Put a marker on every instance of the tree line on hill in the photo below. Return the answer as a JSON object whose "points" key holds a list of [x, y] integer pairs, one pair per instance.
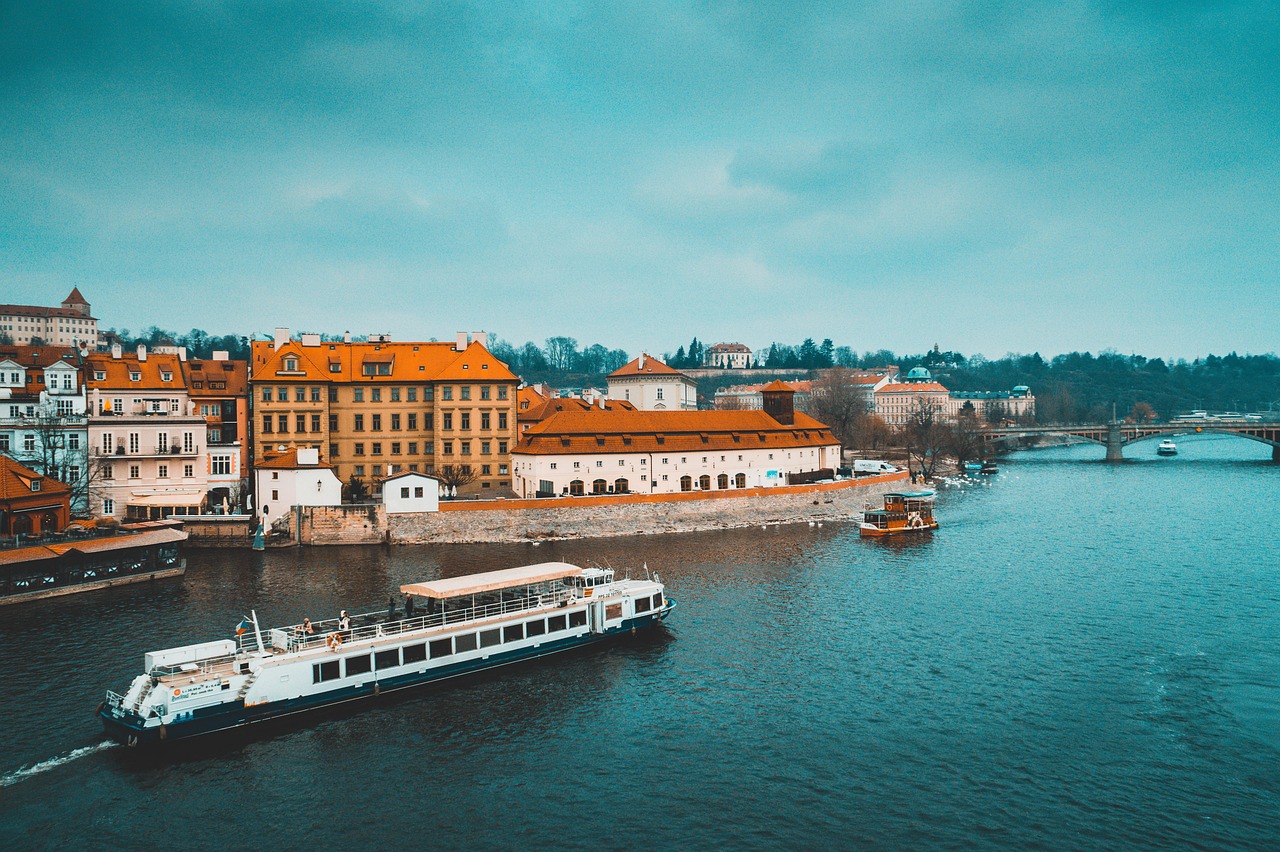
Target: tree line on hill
{"points": [[1075, 387]]}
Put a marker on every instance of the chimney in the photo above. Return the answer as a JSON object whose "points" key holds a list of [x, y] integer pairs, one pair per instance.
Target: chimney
{"points": [[481, 337], [142, 352], [182, 353], [640, 366], [282, 337], [116, 352], [346, 337], [221, 355], [461, 342]]}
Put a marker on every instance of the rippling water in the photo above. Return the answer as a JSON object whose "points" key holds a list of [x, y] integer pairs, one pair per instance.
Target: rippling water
{"points": [[1085, 655]]}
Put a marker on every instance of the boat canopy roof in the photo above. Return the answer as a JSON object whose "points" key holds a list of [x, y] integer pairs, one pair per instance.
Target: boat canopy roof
{"points": [[489, 581], [912, 495]]}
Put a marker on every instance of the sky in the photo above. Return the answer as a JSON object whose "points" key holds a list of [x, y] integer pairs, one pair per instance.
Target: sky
{"points": [[990, 177]]}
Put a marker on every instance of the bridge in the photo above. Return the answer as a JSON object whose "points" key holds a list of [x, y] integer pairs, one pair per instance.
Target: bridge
{"points": [[1114, 436]]}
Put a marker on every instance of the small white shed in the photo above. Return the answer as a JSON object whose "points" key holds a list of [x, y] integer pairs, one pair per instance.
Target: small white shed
{"points": [[411, 492]]}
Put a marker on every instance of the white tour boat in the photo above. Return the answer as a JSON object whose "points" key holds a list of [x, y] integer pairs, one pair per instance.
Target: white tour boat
{"points": [[1167, 448], [465, 624]]}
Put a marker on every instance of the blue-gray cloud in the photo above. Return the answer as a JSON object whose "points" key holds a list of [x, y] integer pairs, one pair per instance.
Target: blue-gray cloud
{"points": [[992, 176]]}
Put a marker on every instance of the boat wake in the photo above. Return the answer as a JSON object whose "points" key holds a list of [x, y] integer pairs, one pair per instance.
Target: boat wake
{"points": [[53, 763]]}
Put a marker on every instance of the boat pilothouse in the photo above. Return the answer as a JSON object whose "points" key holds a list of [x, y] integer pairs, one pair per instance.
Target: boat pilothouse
{"points": [[455, 626]]}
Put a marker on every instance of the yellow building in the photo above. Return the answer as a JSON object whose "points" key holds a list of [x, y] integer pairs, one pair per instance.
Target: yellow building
{"points": [[377, 408]]}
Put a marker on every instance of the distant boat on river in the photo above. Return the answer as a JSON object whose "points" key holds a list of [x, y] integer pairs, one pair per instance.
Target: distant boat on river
{"points": [[1167, 448], [903, 512]]}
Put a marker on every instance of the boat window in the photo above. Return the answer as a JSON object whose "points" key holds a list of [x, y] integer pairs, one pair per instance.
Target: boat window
{"points": [[642, 604], [489, 638], [387, 659], [415, 653], [359, 665], [556, 622], [657, 601], [465, 642], [578, 618], [513, 633], [613, 610], [441, 647], [321, 672], [535, 628]]}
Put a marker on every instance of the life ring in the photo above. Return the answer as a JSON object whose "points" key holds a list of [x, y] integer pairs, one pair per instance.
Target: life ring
{"points": [[917, 523], [334, 641]]}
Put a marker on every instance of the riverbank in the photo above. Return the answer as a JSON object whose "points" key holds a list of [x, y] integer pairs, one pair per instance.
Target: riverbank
{"points": [[595, 516]]}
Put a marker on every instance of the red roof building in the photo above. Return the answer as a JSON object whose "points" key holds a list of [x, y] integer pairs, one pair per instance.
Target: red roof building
{"points": [[31, 504]]}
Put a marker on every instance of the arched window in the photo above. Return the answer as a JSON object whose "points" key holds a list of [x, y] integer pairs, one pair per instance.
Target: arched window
{"points": [[740, 481], [621, 486], [575, 487], [599, 486], [686, 483], [704, 482], [722, 481]]}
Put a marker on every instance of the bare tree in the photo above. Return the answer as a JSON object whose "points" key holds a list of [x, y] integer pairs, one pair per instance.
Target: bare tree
{"points": [[56, 448], [1142, 413], [561, 352], [837, 402], [925, 435], [455, 475], [964, 443]]}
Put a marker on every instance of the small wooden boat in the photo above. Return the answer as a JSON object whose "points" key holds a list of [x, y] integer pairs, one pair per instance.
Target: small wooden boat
{"points": [[903, 512]]}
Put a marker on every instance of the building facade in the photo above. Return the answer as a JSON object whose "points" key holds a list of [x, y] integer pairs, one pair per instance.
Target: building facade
{"points": [[31, 503], [613, 451], [42, 415], [651, 385], [71, 324], [897, 401], [379, 407], [727, 356], [147, 445], [219, 389], [293, 477]]}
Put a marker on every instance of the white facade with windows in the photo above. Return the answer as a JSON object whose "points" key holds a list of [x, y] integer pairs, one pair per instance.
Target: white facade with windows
{"points": [[42, 422], [294, 477], [651, 385], [411, 492]]}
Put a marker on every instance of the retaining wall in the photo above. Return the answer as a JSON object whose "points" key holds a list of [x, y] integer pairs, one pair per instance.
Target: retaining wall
{"points": [[636, 514]]}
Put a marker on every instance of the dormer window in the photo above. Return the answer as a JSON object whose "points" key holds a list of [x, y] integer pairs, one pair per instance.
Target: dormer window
{"points": [[166, 377], [291, 364], [99, 375], [135, 376], [35, 485]]}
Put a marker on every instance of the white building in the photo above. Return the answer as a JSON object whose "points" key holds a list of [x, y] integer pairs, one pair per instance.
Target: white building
{"points": [[651, 385], [146, 443], [602, 451], [294, 477], [68, 325], [410, 492], [728, 356], [42, 415]]}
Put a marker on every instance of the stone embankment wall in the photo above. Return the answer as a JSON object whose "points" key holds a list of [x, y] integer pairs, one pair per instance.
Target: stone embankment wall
{"points": [[589, 517], [362, 524], [218, 530]]}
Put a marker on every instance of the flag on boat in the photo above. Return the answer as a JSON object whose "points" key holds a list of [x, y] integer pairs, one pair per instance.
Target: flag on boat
{"points": [[243, 627]]}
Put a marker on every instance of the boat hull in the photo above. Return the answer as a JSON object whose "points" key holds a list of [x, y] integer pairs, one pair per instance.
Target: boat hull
{"points": [[132, 730], [870, 531]]}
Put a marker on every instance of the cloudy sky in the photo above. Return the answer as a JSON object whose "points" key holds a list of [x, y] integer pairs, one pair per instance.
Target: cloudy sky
{"points": [[991, 177]]}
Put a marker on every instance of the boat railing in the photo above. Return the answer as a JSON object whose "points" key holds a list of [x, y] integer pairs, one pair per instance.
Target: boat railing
{"points": [[114, 699], [376, 625], [205, 666]]}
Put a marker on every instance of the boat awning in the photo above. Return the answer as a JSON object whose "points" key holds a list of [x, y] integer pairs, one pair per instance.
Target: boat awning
{"points": [[474, 584], [175, 499]]}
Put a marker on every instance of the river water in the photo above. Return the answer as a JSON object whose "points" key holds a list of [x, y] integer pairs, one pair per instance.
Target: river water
{"points": [[1084, 656]]}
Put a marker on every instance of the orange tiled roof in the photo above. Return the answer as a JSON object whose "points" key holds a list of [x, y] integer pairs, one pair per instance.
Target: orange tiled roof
{"points": [[117, 372], [913, 387], [406, 362], [728, 347], [652, 367], [235, 374], [75, 298], [40, 311], [570, 432], [287, 460], [777, 385], [16, 479], [35, 359]]}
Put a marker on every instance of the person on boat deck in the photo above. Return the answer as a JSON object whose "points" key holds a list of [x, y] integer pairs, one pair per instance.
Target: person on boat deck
{"points": [[305, 629], [344, 621], [391, 609], [408, 606]]}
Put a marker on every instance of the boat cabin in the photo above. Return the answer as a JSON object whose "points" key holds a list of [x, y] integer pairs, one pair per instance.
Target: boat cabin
{"points": [[903, 511]]}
